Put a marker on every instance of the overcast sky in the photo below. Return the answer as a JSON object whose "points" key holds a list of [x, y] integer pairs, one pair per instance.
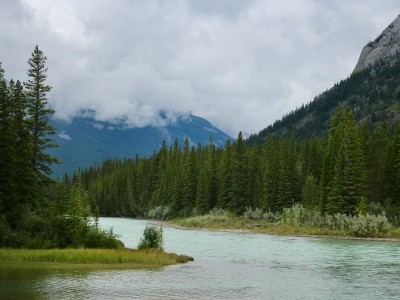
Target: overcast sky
{"points": [[241, 64]]}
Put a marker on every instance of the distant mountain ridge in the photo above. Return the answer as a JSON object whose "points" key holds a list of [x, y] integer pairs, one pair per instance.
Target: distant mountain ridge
{"points": [[372, 91], [84, 141]]}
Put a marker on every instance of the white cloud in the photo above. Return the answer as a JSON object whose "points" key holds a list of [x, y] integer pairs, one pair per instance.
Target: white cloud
{"points": [[64, 136], [240, 64]]}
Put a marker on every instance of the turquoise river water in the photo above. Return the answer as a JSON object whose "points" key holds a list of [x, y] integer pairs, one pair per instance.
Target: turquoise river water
{"points": [[227, 265]]}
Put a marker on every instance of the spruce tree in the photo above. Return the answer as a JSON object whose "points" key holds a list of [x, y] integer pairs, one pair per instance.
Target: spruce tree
{"points": [[189, 178], [225, 194], [239, 176], [393, 173], [23, 174], [38, 117], [347, 186], [271, 173], [376, 163], [6, 148], [329, 159]]}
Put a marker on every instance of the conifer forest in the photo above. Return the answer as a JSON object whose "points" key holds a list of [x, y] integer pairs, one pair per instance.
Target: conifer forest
{"points": [[354, 170]]}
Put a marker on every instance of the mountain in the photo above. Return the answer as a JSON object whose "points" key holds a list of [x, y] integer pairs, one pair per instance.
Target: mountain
{"points": [[372, 91], [383, 48], [84, 141]]}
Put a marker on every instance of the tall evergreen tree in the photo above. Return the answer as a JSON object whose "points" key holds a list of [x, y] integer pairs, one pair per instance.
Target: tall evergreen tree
{"points": [[225, 177], [347, 185], [376, 164], [189, 178], [38, 116], [271, 173], [329, 159], [6, 147], [23, 174], [239, 176], [393, 173]]}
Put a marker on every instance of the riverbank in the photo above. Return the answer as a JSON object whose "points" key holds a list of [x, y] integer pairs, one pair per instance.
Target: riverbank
{"points": [[242, 225], [90, 258]]}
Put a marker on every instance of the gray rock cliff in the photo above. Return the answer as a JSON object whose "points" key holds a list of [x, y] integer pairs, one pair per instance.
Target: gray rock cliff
{"points": [[384, 47]]}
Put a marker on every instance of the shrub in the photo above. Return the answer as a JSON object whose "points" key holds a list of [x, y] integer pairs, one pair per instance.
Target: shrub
{"points": [[219, 212], [159, 213], [105, 239], [251, 214], [362, 225], [272, 217], [152, 238]]}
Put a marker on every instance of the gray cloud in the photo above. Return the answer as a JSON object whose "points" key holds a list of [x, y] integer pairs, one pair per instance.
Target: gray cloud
{"points": [[240, 64]]}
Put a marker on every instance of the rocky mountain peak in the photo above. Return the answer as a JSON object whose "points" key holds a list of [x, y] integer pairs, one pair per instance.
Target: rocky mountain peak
{"points": [[384, 47]]}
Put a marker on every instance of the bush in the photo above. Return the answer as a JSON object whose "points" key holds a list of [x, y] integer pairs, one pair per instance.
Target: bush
{"points": [[105, 239], [370, 225], [272, 217], [362, 225], [159, 213], [251, 214], [219, 212], [152, 238]]}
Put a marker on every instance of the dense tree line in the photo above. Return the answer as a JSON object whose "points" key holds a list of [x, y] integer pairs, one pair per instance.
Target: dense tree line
{"points": [[353, 171], [24, 135], [34, 211]]}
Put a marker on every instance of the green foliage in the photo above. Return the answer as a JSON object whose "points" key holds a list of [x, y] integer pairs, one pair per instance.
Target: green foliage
{"points": [[311, 192], [343, 177], [38, 116], [152, 238], [346, 175], [159, 213], [362, 225], [372, 94], [34, 213], [253, 214], [216, 217], [105, 239]]}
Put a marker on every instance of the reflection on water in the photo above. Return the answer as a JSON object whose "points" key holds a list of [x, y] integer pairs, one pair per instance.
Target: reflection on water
{"points": [[226, 266]]}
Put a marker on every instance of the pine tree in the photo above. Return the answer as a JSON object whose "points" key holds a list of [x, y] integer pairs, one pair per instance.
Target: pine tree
{"points": [[78, 212], [347, 186], [7, 148], [329, 159], [310, 193], [271, 173], [189, 178], [239, 177], [393, 173], [376, 163], [25, 193], [225, 194], [38, 116]]}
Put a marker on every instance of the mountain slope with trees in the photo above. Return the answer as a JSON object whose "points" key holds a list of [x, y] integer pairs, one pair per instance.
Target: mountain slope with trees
{"points": [[353, 172], [334, 162], [84, 141], [372, 92]]}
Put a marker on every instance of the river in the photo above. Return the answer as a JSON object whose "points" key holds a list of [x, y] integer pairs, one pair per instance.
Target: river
{"points": [[227, 266]]}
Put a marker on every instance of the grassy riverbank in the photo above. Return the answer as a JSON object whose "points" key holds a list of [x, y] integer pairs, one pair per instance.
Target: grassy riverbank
{"points": [[295, 224], [90, 258]]}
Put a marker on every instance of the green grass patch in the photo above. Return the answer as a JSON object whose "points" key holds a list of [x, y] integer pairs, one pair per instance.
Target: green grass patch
{"points": [[93, 258]]}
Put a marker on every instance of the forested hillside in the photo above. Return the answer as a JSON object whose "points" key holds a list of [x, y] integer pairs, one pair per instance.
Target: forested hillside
{"points": [[354, 171], [373, 94], [84, 141]]}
